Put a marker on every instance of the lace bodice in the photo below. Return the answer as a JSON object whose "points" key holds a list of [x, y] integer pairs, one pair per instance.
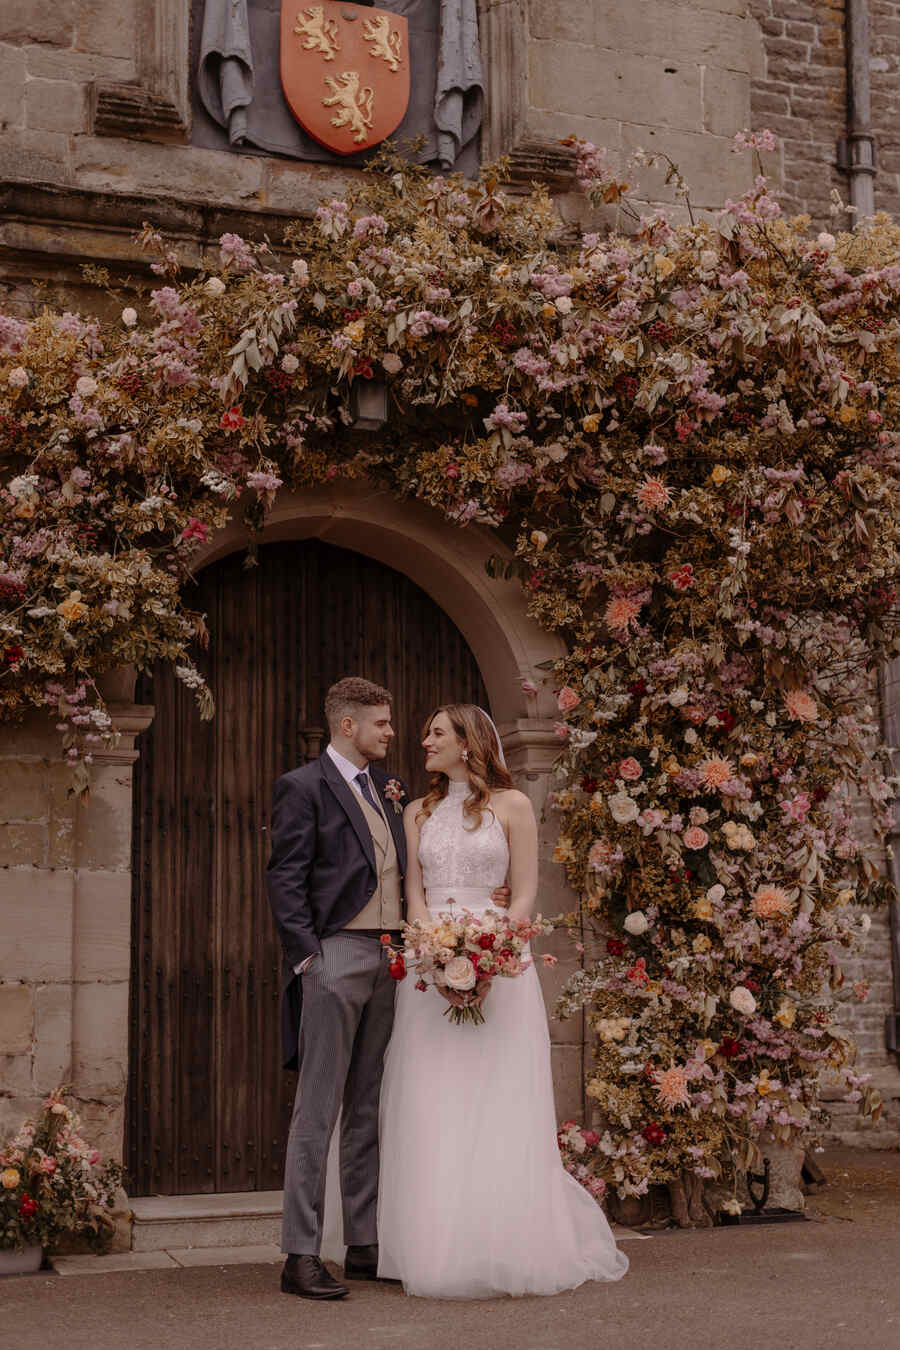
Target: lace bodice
{"points": [[457, 861]]}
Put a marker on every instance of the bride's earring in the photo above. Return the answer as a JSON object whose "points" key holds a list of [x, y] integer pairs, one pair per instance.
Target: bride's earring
{"points": [[464, 754]]}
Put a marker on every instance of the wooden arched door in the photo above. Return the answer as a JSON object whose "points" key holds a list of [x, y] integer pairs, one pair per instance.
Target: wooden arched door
{"points": [[208, 1103]]}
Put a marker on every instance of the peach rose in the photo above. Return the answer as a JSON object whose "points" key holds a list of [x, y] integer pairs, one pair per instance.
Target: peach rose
{"points": [[567, 699], [695, 837], [630, 769], [771, 902], [801, 706], [459, 973], [72, 607]]}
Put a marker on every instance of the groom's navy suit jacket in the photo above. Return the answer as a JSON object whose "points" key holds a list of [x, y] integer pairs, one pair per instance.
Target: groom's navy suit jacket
{"points": [[322, 871]]}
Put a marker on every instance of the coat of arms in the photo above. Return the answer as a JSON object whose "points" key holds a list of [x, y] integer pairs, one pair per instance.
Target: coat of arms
{"points": [[344, 71]]}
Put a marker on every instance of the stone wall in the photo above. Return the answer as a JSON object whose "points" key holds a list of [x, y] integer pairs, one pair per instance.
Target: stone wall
{"points": [[801, 95], [65, 896]]}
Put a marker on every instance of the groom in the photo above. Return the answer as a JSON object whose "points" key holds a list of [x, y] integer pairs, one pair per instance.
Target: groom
{"points": [[335, 885]]}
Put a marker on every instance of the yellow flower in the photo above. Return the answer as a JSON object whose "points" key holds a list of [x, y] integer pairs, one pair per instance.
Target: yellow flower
{"points": [[564, 852], [708, 1047], [749, 760], [9, 1178], [591, 423], [672, 767], [703, 908], [72, 607], [355, 331], [444, 936], [763, 1086], [719, 474], [539, 539], [847, 414], [786, 1014], [548, 311], [663, 265], [701, 944], [596, 1088], [24, 510]]}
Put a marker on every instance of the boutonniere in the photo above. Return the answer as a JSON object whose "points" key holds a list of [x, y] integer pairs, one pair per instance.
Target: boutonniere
{"points": [[393, 790]]}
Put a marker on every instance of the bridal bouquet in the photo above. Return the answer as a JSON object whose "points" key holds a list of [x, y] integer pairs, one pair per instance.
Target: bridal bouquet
{"points": [[463, 953]]}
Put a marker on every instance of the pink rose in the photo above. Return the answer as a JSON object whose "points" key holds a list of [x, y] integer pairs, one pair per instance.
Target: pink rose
{"points": [[567, 699], [695, 837], [48, 1165], [630, 770]]}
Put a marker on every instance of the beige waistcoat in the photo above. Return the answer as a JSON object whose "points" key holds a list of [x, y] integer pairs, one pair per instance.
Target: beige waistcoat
{"points": [[384, 910]]}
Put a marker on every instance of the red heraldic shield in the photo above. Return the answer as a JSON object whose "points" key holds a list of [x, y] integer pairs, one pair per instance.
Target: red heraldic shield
{"points": [[344, 71]]}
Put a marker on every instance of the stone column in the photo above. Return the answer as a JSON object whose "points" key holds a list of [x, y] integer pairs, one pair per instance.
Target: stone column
{"points": [[65, 884], [531, 748]]}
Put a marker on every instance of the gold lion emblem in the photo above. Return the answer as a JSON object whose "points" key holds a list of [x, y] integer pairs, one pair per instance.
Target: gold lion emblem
{"points": [[386, 40], [353, 105], [318, 33]]}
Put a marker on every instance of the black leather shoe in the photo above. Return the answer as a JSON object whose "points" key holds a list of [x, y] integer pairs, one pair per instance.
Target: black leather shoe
{"points": [[308, 1278], [361, 1263]]}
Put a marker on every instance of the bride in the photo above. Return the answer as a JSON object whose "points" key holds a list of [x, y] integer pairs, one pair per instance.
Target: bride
{"points": [[473, 1197]]}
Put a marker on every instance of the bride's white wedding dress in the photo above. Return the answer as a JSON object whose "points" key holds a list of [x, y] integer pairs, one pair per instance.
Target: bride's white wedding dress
{"points": [[473, 1198]]}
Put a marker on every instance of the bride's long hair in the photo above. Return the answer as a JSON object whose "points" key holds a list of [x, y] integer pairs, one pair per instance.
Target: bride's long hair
{"points": [[484, 769]]}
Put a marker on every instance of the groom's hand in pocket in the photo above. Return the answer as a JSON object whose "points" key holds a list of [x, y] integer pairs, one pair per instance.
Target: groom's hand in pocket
{"points": [[500, 896]]}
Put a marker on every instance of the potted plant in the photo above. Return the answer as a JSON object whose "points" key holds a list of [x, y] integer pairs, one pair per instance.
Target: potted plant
{"points": [[52, 1183]]}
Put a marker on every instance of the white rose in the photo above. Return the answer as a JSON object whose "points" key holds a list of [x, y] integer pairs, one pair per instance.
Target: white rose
{"points": [[709, 258], [300, 269], [690, 736], [460, 974], [742, 1000], [716, 893], [86, 386], [392, 363], [732, 1206], [129, 317], [289, 363], [865, 923], [564, 304], [826, 241], [637, 923], [623, 808], [18, 378], [215, 286], [575, 1141], [679, 696]]}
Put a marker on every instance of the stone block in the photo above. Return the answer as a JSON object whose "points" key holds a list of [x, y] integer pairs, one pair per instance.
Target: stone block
{"points": [[37, 908], [16, 1018], [100, 1040], [613, 85], [56, 105], [103, 1126], [565, 20], [102, 943], [40, 21], [689, 34], [34, 156], [34, 737], [97, 30], [568, 1082], [116, 165], [64, 813], [25, 792], [706, 162], [52, 1036], [726, 101], [15, 1109], [53, 63], [23, 845], [15, 1074], [103, 824], [12, 86], [298, 188]]}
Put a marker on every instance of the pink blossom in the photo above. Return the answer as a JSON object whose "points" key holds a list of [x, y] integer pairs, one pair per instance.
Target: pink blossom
{"points": [[567, 699], [695, 838], [630, 769]]}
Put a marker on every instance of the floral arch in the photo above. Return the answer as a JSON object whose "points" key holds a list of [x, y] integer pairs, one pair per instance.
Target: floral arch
{"points": [[686, 437]]}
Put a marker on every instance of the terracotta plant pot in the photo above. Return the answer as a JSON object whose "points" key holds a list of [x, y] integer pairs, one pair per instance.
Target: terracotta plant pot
{"points": [[26, 1262]]}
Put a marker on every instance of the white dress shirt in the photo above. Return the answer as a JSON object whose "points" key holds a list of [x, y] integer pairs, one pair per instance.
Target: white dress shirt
{"points": [[348, 771]]}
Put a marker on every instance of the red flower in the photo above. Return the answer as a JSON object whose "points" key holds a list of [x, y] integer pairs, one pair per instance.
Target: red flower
{"points": [[730, 1047], [13, 655], [725, 718], [752, 985], [683, 577], [385, 939], [195, 529], [590, 784], [363, 368], [654, 1133], [638, 688], [486, 941], [232, 420], [398, 968], [27, 1207], [615, 946], [452, 469]]}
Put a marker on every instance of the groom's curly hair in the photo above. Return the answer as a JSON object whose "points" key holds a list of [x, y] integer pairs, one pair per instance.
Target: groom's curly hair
{"points": [[354, 692]]}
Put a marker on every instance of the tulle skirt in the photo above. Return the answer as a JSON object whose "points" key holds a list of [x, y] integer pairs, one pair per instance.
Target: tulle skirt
{"points": [[473, 1199]]}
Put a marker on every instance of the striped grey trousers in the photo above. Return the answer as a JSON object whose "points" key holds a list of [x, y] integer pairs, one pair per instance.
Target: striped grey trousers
{"points": [[345, 1026]]}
